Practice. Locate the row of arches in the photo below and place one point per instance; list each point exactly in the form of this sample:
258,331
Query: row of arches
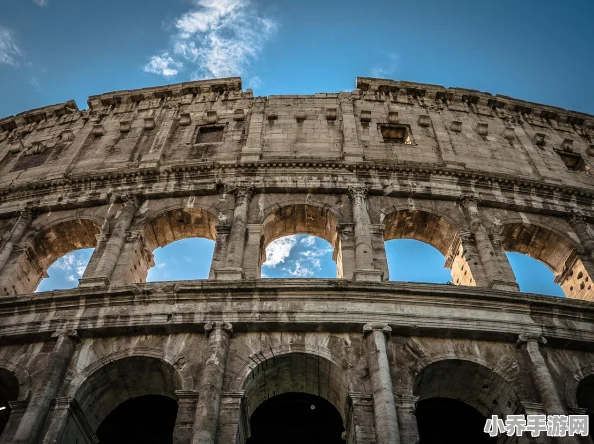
164,231
292,397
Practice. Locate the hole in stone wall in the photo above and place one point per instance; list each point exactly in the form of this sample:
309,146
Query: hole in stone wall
66,271
435,417
299,256
533,276
184,259
572,161
411,260
585,396
141,420
396,134
296,418
210,134
9,391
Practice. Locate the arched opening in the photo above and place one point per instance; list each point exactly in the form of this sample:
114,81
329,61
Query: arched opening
44,249
284,225
9,391
104,395
146,419
458,387
66,271
414,262
288,383
158,248
436,416
185,259
299,256
585,396
533,276
557,253
296,418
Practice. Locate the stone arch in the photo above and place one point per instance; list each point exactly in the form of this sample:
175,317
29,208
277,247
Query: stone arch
554,248
468,380
441,232
21,374
115,379
301,218
573,382
43,247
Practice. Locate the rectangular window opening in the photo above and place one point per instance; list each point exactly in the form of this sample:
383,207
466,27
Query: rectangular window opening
396,134
210,134
572,161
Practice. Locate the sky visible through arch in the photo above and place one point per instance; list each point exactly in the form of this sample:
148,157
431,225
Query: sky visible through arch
56,50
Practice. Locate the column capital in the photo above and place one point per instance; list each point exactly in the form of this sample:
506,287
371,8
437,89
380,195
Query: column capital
379,326
28,213
238,191
72,334
211,326
357,191
524,338
133,199
186,395
467,201
576,217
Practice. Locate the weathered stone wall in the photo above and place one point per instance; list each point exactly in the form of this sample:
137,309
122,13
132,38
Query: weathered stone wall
473,175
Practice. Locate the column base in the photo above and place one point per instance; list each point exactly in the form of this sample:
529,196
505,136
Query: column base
93,282
229,274
368,275
504,285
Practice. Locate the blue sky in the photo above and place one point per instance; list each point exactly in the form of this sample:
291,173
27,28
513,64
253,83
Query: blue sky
55,50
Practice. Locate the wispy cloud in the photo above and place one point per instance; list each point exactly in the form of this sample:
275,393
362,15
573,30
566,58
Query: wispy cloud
41,3
386,68
216,38
279,250
9,51
72,265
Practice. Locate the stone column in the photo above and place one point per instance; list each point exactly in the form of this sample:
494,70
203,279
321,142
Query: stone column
407,420
18,409
232,419
186,412
578,222
219,256
542,379
29,430
363,248
68,420
235,250
20,228
380,261
487,253
117,239
211,383
386,423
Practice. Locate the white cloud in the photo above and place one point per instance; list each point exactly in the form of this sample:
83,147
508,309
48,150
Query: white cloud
163,65
73,265
9,51
217,38
308,241
279,250
255,82
388,68
41,2
300,270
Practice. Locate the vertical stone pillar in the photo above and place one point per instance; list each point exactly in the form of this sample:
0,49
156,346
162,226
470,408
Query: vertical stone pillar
489,257
364,270
219,256
29,430
386,423
186,412
67,419
18,409
351,149
211,383
344,254
360,421
252,150
116,241
578,222
380,261
407,420
235,250
232,419
20,228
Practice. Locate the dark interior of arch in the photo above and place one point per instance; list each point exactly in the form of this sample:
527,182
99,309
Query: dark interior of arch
449,421
9,391
296,418
142,420
585,396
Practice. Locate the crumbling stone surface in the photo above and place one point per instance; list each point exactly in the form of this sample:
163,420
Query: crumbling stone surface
472,174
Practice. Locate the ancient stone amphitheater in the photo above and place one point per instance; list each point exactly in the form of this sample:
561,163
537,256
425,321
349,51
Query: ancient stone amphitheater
239,359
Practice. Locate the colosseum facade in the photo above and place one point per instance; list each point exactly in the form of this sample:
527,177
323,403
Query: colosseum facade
229,358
